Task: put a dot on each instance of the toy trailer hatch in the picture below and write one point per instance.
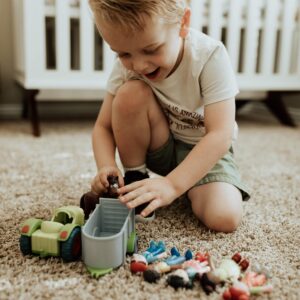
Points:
(105, 236)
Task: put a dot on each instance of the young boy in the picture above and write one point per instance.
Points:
(170, 106)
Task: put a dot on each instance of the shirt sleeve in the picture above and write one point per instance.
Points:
(118, 77)
(217, 79)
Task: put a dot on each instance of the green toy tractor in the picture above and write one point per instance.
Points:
(59, 237)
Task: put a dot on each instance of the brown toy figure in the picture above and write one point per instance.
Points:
(89, 200)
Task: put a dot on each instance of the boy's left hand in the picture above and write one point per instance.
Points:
(158, 191)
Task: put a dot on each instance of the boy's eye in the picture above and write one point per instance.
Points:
(151, 51)
(123, 55)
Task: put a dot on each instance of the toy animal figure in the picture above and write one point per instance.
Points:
(228, 270)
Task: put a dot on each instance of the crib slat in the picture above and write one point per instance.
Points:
(215, 19)
(267, 55)
(87, 39)
(62, 32)
(251, 37)
(197, 9)
(288, 23)
(34, 31)
(234, 31)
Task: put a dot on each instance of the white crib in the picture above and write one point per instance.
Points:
(57, 47)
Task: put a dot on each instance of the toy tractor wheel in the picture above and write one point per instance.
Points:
(25, 244)
(71, 248)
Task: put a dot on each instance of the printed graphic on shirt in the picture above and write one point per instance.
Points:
(183, 120)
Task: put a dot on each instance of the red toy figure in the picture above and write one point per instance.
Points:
(138, 263)
(202, 256)
(241, 291)
(243, 263)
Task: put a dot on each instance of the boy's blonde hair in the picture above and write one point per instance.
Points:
(129, 13)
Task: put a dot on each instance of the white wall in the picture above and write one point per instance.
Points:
(10, 94)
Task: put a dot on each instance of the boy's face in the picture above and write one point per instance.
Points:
(153, 53)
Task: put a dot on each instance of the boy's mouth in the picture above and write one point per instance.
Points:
(153, 74)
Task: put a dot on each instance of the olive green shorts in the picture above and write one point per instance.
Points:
(165, 159)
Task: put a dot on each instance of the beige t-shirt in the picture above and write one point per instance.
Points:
(204, 76)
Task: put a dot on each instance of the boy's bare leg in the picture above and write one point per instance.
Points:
(218, 205)
(138, 123)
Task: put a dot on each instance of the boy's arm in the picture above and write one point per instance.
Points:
(219, 124)
(104, 149)
(102, 136)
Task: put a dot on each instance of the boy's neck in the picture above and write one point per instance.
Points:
(180, 56)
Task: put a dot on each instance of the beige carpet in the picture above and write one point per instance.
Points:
(40, 174)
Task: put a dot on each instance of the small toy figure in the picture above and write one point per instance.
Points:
(191, 269)
(155, 251)
(176, 258)
(138, 263)
(153, 274)
(243, 263)
(241, 291)
(179, 279)
(202, 256)
(113, 187)
(89, 200)
(196, 268)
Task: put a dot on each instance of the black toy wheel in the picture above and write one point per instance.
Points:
(25, 244)
(71, 248)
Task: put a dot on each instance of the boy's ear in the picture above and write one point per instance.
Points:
(185, 23)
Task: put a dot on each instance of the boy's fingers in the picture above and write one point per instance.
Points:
(129, 187)
(121, 180)
(103, 180)
(153, 205)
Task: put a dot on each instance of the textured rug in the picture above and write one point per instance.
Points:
(38, 175)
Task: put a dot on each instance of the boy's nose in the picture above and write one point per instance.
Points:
(140, 67)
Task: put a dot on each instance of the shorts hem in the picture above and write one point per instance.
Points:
(225, 178)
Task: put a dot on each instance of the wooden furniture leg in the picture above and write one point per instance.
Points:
(30, 110)
(276, 105)
(240, 103)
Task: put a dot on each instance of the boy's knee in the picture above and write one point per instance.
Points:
(224, 223)
(220, 219)
(131, 96)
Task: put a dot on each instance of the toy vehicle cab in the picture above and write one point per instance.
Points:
(61, 236)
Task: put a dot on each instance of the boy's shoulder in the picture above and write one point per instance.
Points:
(202, 45)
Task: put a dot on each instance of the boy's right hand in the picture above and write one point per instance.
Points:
(100, 182)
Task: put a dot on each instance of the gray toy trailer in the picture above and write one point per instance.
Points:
(107, 236)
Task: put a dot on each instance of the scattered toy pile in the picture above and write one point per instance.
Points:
(185, 269)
